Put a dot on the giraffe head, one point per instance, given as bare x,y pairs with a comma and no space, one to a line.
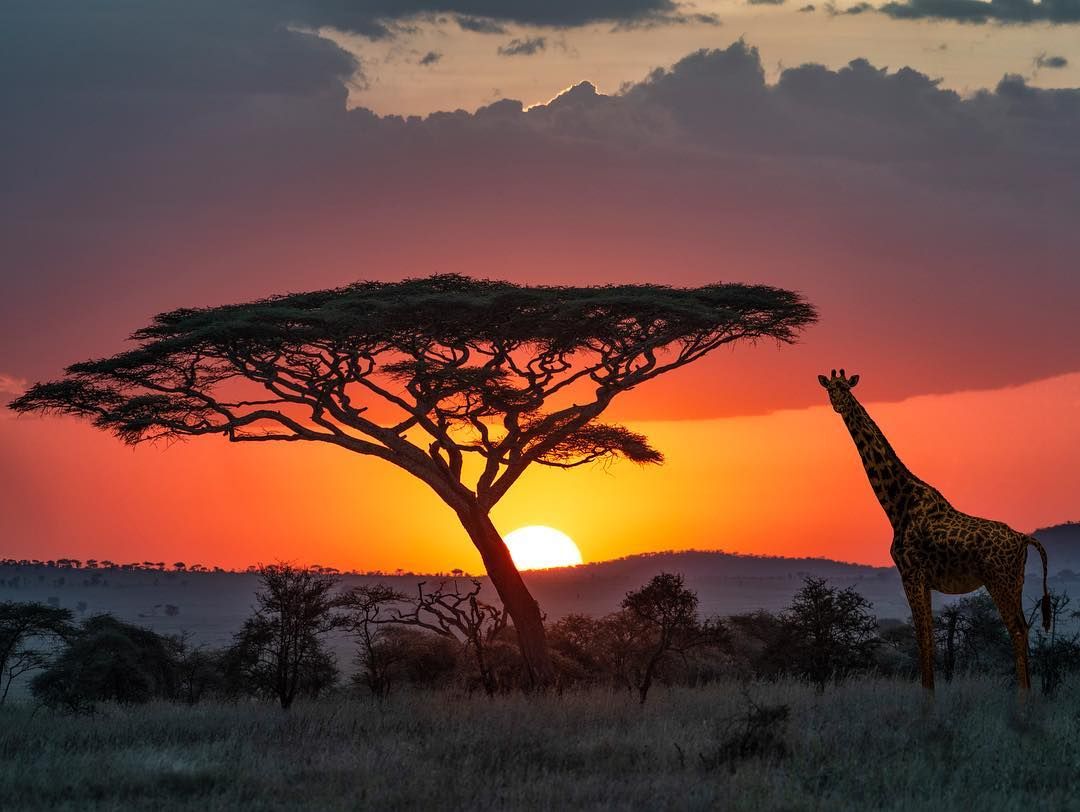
839,388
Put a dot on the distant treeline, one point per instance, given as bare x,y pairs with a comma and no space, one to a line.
97,565
443,635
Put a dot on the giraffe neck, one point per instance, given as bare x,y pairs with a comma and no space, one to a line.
889,477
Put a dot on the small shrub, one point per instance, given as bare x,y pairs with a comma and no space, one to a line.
759,733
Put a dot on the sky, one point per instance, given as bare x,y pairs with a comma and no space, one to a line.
912,167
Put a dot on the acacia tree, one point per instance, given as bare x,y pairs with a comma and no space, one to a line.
28,634
279,651
424,374
832,631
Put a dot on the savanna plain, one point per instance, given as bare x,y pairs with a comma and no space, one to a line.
868,743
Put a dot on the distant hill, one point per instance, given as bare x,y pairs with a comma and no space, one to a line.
1062,542
212,605
726,583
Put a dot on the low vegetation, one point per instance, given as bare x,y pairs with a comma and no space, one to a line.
655,707
861,744
444,636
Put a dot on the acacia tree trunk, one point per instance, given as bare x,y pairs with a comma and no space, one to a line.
519,602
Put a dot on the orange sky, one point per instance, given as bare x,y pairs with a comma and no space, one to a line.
932,223
788,483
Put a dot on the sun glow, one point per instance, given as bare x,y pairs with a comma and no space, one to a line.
537,547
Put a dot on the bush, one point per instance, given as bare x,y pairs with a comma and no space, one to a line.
656,636
447,610
109,660
407,656
1055,655
759,733
832,632
761,644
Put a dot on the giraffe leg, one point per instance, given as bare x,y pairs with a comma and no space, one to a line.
918,596
1008,597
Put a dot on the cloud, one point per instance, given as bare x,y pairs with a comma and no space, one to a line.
660,19
857,8
141,50
479,25
765,2
934,230
983,11
808,8
11,385
1045,60
430,58
376,17
523,47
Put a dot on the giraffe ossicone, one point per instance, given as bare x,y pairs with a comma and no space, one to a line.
935,546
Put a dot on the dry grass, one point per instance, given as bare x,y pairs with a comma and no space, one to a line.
864,745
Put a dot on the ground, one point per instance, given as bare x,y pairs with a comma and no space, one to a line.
866,744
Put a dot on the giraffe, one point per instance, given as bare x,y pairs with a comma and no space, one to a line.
935,546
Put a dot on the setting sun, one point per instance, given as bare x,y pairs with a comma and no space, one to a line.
538,547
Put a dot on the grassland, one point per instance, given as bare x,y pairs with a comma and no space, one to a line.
862,745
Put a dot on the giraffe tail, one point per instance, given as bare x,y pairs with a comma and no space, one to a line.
1046,618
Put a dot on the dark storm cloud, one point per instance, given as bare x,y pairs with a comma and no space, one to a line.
430,58
198,46
983,11
138,178
809,7
523,47
765,2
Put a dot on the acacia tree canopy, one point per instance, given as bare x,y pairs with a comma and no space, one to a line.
512,375
470,366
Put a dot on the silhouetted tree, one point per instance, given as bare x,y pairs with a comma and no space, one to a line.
279,651
656,635
968,638
108,660
833,633
1054,653
453,612
898,654
666,612
367,606
986,646
29,633
199,671
951,626
470,367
